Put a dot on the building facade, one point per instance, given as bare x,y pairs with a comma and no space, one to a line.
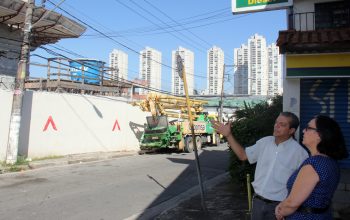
257,68
257,71
215,70
316,68
274,70
118,62
177,85
151,68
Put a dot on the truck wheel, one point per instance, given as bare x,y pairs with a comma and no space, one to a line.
218,142
204,140
215,139
188,144
181,145
209,140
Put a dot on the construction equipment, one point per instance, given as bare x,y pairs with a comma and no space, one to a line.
159,132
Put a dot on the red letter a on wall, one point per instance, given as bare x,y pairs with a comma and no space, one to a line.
50,121
116,123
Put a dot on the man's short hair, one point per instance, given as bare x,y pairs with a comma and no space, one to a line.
293,122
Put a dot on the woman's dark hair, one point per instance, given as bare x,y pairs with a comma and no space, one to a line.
332,140
293,122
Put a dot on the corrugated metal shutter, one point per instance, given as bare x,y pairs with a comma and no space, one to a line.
329,96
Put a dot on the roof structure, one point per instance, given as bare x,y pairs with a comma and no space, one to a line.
316,41
49,27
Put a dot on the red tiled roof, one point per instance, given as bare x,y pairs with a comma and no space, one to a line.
317,41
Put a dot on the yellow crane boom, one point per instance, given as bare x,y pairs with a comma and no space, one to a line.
173,106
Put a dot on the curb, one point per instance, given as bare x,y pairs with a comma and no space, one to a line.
69,160
79,158
150,213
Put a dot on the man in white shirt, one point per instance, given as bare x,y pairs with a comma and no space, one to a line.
277,157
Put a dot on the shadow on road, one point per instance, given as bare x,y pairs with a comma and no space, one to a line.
212,163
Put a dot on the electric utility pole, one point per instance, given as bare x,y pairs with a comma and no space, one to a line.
222,92
22,72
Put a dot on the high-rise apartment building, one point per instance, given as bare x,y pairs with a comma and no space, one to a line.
177,86
241,70
215,70
257,68
274,71
118,62
151,68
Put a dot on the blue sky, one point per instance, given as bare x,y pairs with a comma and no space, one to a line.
163,25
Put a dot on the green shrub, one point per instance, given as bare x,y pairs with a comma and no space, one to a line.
252,123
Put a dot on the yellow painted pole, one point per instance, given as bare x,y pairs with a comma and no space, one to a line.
249,190
181,70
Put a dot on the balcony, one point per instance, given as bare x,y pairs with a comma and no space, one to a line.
328,15
326,30
309,21
305,38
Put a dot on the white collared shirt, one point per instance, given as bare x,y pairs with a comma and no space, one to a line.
275,164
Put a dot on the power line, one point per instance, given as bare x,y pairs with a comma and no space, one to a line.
167,25
98,23
180,24
173,20
123,45
171,33
69,59
93,28
92,67
104,72
66,50
111,38
73,53
156,23
143,30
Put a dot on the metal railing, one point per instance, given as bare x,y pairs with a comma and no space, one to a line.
309,21
302,21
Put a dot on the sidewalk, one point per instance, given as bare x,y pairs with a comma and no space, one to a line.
223,201
229,201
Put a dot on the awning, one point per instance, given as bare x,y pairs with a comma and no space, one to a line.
316,41
50,29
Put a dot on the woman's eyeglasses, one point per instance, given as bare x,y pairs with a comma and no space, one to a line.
310,128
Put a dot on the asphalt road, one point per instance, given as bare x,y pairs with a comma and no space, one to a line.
111,189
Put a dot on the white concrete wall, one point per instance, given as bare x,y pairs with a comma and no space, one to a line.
291,93
291,98
5,112
83,124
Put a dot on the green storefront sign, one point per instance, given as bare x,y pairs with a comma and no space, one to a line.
243,6
249,3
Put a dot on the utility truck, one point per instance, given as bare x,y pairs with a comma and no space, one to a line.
169,127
